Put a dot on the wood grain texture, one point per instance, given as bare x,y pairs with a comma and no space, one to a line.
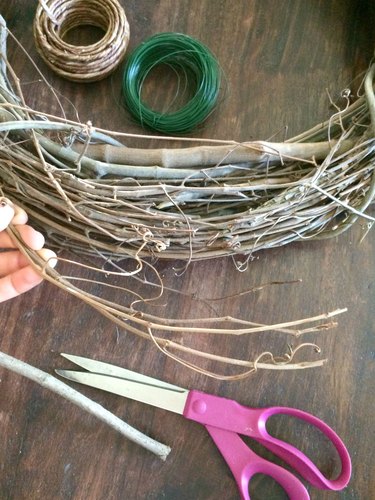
280,60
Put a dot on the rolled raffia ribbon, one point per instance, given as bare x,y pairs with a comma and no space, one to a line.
81,63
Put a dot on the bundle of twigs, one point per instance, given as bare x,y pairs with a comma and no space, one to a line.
190,203
91,194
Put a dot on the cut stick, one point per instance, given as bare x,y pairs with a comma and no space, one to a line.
55,385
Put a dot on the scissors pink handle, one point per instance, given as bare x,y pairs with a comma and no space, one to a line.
228,415
244,464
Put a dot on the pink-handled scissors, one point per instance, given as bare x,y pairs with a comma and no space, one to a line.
225,420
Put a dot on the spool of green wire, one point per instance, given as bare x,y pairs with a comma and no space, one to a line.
185,55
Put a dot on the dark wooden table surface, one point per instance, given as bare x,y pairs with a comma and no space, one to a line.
280,59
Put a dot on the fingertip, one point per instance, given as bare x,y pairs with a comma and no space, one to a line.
9,212
20,216
34,239
6,214
49,256
38,240
18,282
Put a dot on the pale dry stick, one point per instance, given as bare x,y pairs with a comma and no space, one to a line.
100,132
75,397
316,132
152,321
210,156
231,144
343,204
159,170
313,133
199,156
68,125
252,187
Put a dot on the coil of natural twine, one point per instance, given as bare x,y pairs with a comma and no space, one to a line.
81,63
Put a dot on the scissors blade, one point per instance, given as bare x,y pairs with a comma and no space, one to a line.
166,398
116,371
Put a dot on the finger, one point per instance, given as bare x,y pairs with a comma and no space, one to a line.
34,239
6,214
18,282
24,279
11,261
49,256
20,216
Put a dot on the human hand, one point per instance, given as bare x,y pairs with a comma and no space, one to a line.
16,274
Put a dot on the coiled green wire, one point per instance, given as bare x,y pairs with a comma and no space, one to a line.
183,54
